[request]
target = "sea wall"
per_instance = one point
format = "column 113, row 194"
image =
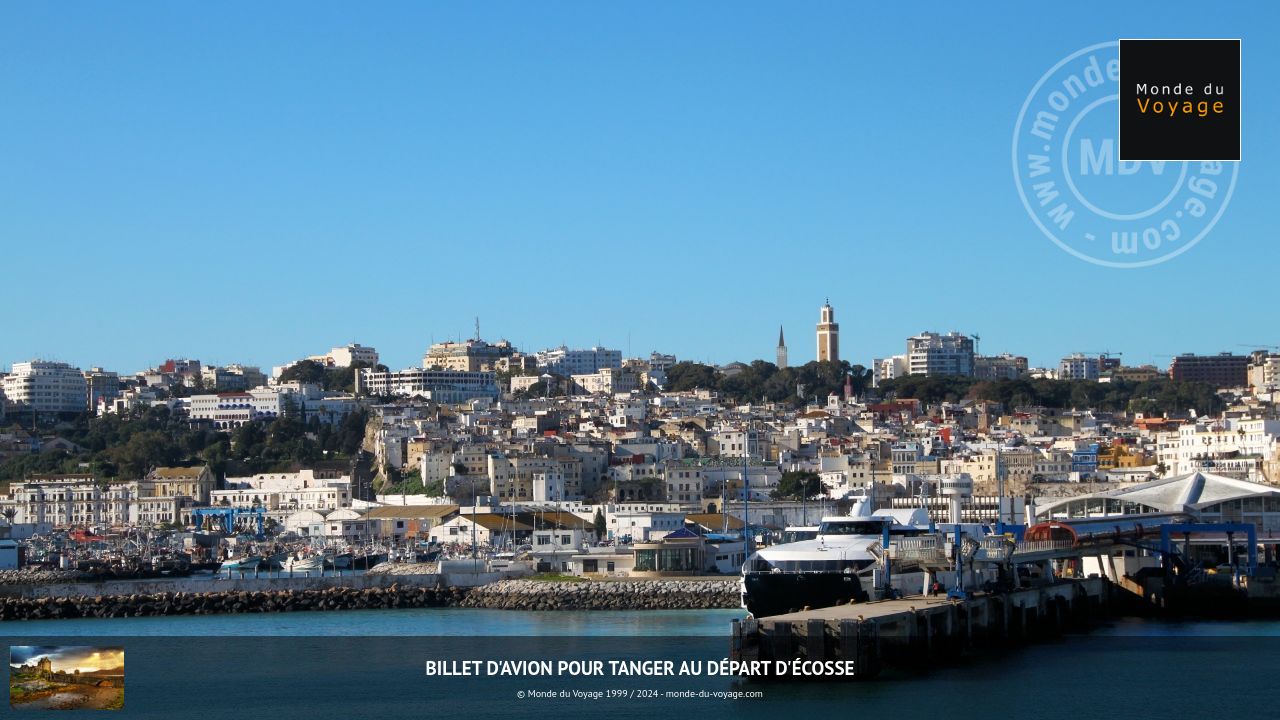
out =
column 682, row 594
column 210, row 603
column 206, row 584
column 369, row 592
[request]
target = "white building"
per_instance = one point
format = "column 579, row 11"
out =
column 548, row 486
column 1077, row 366
column 932, row 354
column 605, row 381
column 230, row 410
column 889, row 368
column 564, row 361
column 468, row 356
column 101, row 386
column 637, row 524
column 348, row 355
column 232, row 377
column 1264, row 372
column 45, row 386
column 444, row 386
column 1227, row 446
column 302, row 490
column 82, row 500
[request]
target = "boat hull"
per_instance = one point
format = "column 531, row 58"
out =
column 775, row 593
column 246, row 565
column 297, row 565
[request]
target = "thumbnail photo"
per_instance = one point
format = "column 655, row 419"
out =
column 66, row 677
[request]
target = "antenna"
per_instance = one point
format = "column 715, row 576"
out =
column 477, row 327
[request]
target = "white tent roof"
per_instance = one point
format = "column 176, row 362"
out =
column 1177, row 494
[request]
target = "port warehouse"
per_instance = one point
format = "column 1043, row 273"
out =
column 1190, row 545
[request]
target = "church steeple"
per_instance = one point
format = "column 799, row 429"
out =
column 782, row 350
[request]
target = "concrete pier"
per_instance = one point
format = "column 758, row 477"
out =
column 917, row 631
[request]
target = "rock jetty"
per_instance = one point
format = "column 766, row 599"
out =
column 210, row 603
column 36, row 576
column 691, row 594
column 694, row 593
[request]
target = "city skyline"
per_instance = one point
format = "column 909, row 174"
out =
column 1241, row 349
column 191, row 178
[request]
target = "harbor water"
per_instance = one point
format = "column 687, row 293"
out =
column 322, row 665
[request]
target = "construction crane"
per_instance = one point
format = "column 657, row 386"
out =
column 1259, row 346
column 1100, row 353
column 977, row 340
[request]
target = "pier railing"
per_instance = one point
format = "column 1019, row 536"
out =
column 1028, row 547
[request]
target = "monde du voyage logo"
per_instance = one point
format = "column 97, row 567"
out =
column 1123, row 184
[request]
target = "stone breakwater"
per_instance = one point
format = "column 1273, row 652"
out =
column 32, row 576
column 692, row 594
column 212, row 603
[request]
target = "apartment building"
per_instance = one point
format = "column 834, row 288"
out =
column 46, row 386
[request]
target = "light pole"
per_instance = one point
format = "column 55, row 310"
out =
column 475, row 560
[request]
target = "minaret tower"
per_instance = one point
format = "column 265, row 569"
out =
column 782, row 350
column 828, row 335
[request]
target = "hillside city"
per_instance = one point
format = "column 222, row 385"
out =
column 487, row 444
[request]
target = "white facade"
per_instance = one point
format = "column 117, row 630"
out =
column 287, row 491
column 1078, row 367
column 889, row 368
column 72, row 500
column 932, row 354
column 445, row 386
column 45, row 386
column 349, row 355
column 1237, row 446
column 232, row 409
column 564, row 361
column 606, row 381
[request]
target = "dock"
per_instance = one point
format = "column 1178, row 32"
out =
column 916, row 631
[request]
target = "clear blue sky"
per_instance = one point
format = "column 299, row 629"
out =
column 253, row 182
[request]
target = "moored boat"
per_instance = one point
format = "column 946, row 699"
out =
column 302, row 563
column 246, row 564
column 828, row 569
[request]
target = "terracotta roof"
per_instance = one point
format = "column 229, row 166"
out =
column 713, row 521
column 170, row 473
column 494, row 521
column 411, row 511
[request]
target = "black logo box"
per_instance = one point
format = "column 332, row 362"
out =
column 1185, row 67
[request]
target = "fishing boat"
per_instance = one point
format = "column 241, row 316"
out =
column 302, row 563
column 340, row 561
column 366, row 560
column 246, row 564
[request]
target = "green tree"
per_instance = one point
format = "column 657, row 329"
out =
column 799, row 485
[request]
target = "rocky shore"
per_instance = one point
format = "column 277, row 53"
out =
column 691, row 594
column 506, row 595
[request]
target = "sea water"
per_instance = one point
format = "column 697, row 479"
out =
column 375, row 663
